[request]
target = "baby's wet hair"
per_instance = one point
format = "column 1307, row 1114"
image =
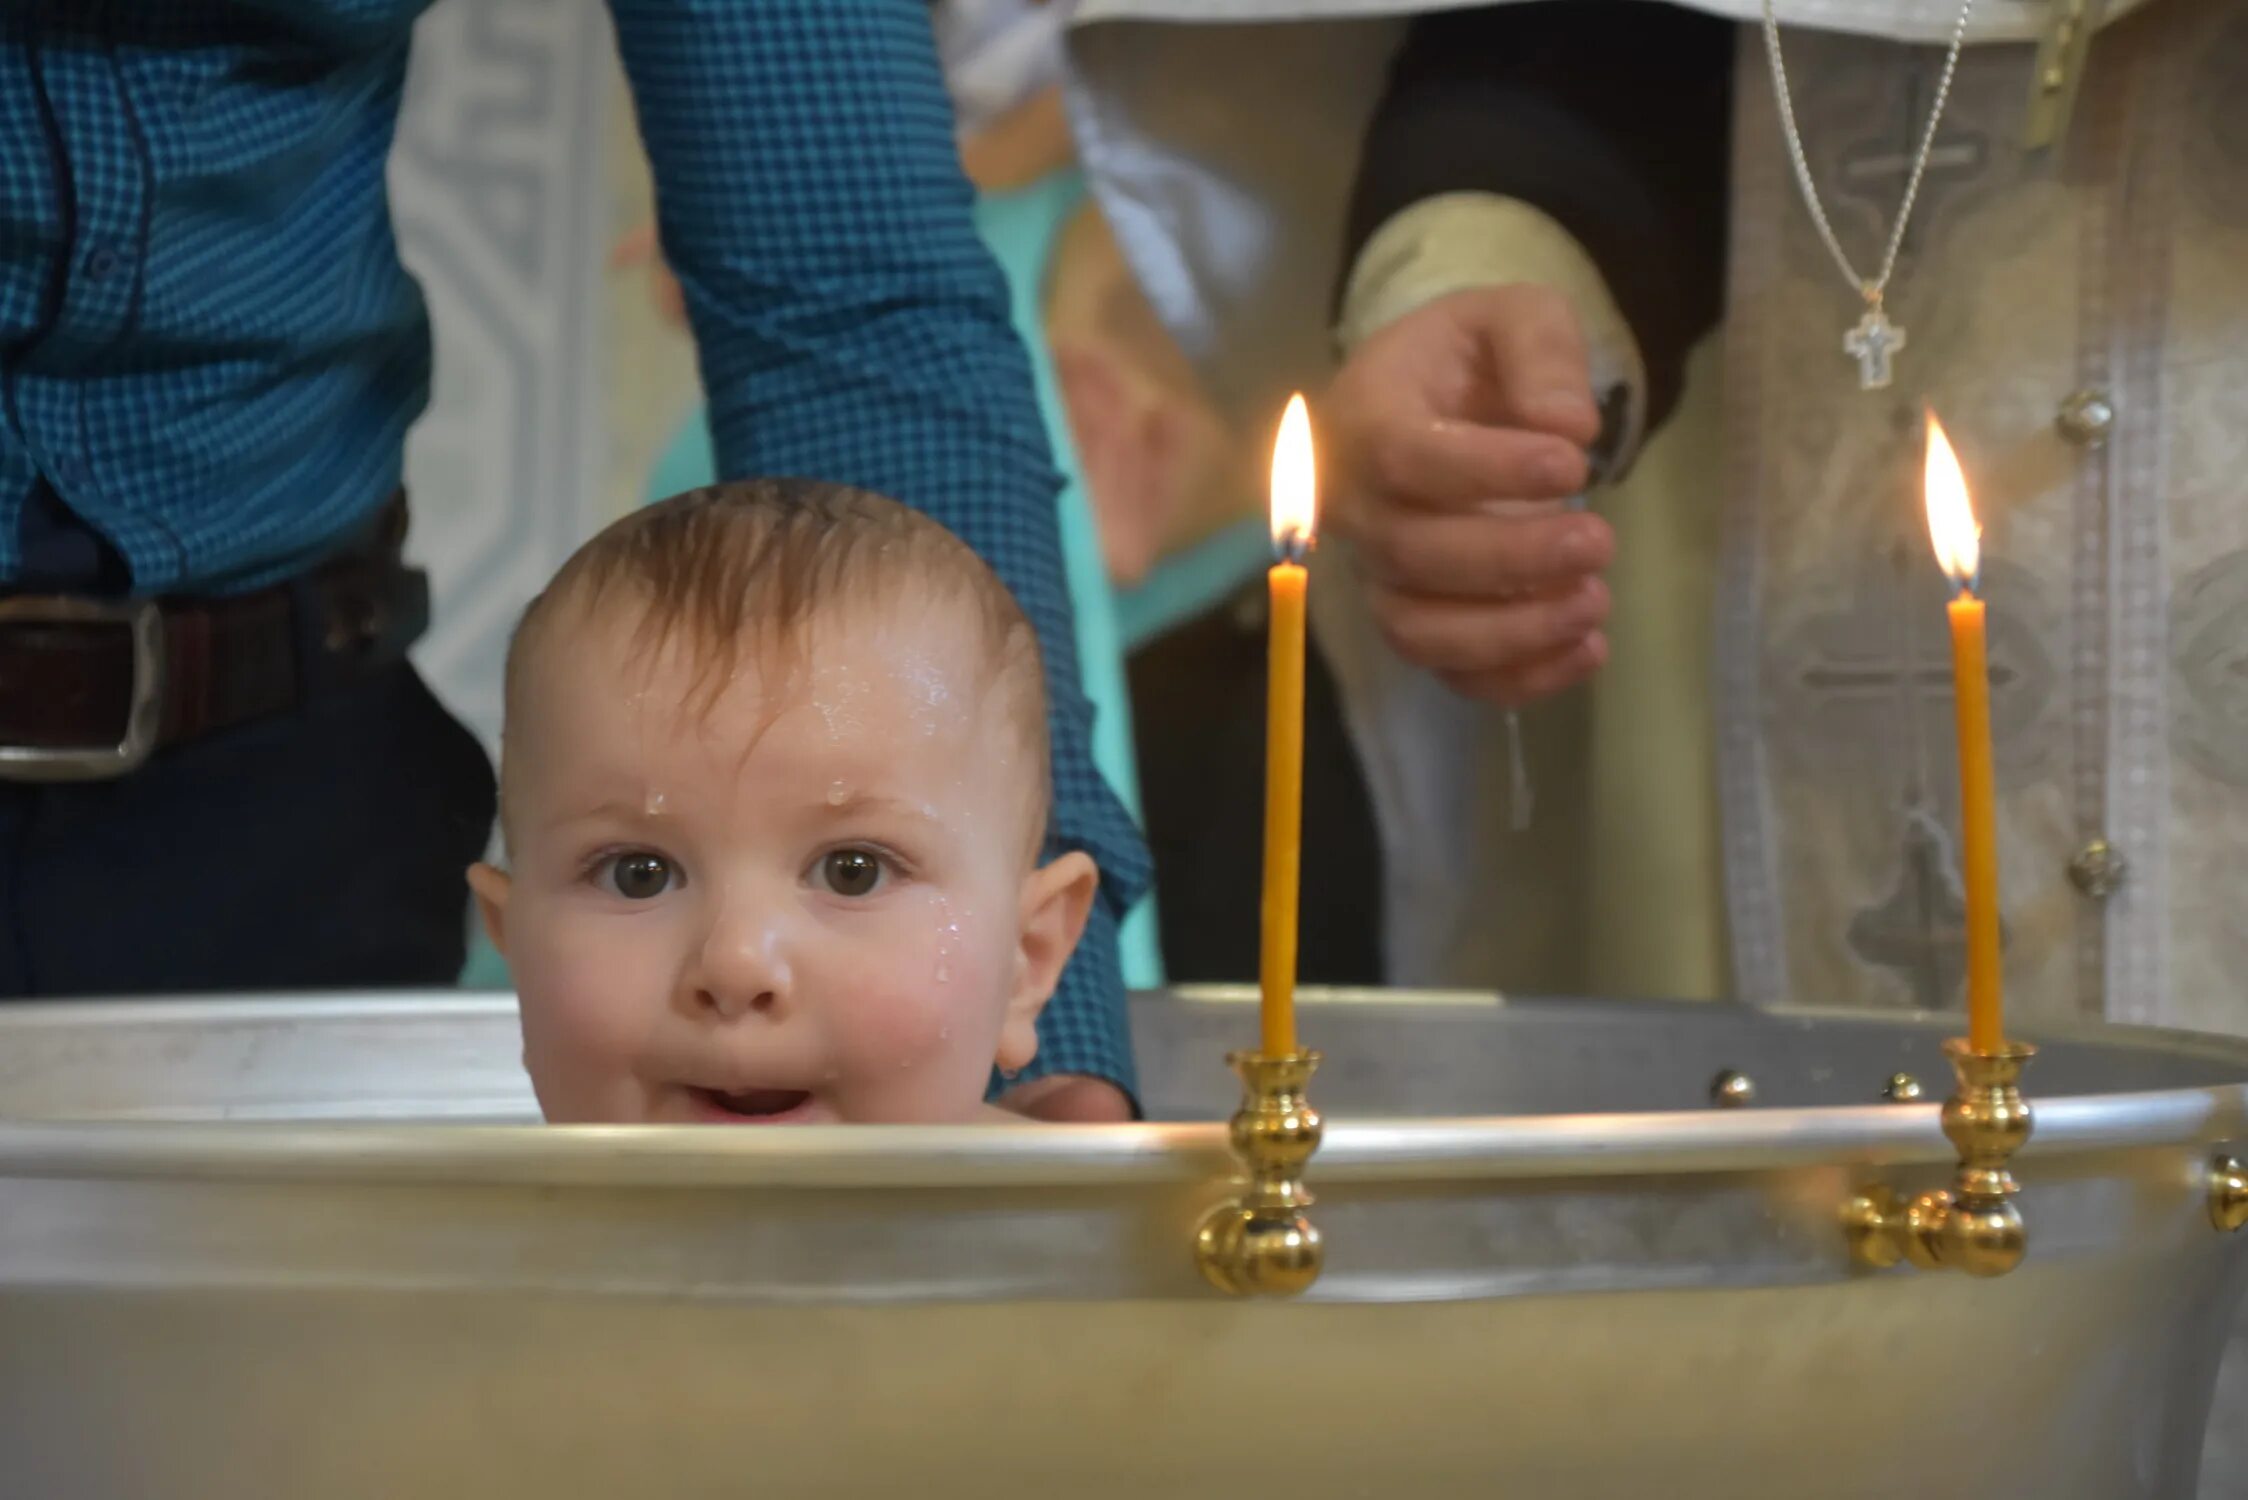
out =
column 753, row 566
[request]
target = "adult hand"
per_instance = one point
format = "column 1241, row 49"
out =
column 1458, row 432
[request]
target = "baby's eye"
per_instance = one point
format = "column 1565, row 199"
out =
column 637, row 876
column 851, row 872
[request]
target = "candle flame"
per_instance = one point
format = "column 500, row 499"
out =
column 1295, row 486
column 1951, row 516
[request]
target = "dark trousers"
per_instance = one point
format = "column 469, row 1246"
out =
column 321, row 849
column 1198, row 713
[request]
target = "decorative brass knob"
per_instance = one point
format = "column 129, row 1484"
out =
column 2097, row 869
column 1974, row 1225
column 1902, row 1088
column 2086, row 417
column 2228, row 1195
column 1261, row 1244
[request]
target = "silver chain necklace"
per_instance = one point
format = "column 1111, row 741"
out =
column 1875, row 341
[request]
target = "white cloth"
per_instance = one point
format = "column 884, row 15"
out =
column 997, row 53
column 1898, row 20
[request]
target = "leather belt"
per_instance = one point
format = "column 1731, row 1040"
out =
column 91, row 687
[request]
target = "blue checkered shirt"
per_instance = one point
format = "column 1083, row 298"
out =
column 210, row 353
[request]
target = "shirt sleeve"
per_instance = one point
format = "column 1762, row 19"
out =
column 853, row 327
column 1611, row 118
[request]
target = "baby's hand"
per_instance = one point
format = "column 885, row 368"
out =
column 1066, row 1099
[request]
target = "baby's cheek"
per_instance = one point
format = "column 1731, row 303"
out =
column 926, row 990
column 896, row 1022
column 585, row 992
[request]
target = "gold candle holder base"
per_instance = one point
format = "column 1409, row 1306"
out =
column 2228, row 1194
column 1974, row 1225
column 1262, row 1245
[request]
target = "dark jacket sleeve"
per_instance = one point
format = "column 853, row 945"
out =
column 1612, row 116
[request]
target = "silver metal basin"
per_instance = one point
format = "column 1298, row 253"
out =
column 238, row 1258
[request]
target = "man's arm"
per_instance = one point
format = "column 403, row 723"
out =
column 1534, row 243
column 851, row 325
column 1594, row 133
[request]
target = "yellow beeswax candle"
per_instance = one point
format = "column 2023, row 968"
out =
column 1951, row 525
column 1294, row 503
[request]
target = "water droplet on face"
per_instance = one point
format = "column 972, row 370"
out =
column 948, row 937
column 929, row 684
column 834, row 696
column 654, row 803
column 837, row 794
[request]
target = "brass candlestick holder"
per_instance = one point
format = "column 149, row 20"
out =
column 1974, row 1225
column 2228, row 1194
column 1262, row 1245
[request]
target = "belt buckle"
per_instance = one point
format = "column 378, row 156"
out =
column 143, row 717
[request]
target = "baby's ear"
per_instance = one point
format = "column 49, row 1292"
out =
column 1057, row 898
column 491, row 885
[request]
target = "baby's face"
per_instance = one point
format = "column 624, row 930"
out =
column 814, row 902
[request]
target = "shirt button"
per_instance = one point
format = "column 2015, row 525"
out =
column 102, row 263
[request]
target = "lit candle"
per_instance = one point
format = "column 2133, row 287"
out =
column 1294, row 502
column 1951, row 524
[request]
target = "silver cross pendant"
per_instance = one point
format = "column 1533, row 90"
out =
column 1874, row 344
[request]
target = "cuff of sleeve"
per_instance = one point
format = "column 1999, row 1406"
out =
column 1453, row 241
column 1086, row 1027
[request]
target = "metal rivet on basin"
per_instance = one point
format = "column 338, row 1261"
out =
column 1731, row 1089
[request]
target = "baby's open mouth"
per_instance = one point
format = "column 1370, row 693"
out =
column 767, row 1106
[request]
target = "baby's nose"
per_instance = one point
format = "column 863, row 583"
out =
column 744, row 972
column 731, row 1004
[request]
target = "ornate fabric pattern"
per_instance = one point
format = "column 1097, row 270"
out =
column 2116, row 574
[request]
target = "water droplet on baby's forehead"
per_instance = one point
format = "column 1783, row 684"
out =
column 926, row 684
column 654, row 804
column 837, row 794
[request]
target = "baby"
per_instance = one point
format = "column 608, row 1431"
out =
column 773, row 785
